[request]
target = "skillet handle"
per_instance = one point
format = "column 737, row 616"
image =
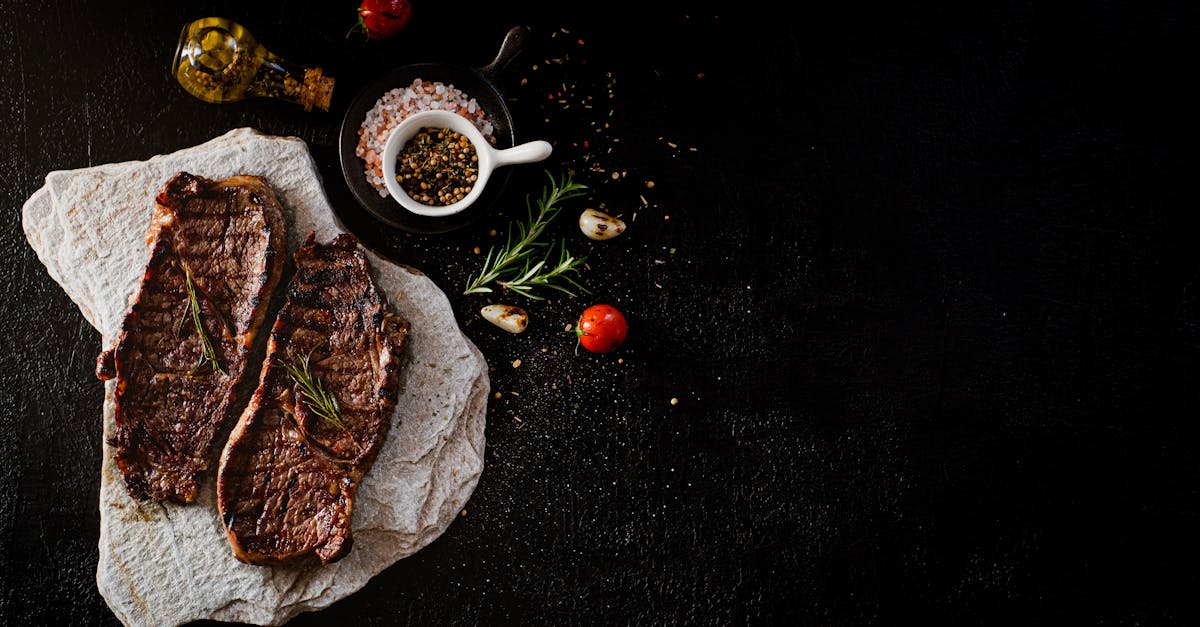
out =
column 529, row 152
column 513, row 42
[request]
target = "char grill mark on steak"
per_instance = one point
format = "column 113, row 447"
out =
column 288, row 477
column 229, row 235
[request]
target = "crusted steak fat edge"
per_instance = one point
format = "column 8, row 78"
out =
column 216, row 253
column 290, row 470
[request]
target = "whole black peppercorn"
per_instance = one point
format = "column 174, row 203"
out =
column 440, row 162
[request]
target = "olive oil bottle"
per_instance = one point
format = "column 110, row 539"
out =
column 218, row 60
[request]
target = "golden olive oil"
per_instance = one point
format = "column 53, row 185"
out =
column 218, row 60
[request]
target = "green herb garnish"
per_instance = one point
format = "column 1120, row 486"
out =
column 207, row 352
column 541, row 274
column 322, row 402
column 514, row 265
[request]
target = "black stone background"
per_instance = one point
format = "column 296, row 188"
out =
column 927, row 296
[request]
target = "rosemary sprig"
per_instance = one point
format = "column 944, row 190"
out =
column 207, row 352
column 322, row 402
column 513, row 262
column 542, row 274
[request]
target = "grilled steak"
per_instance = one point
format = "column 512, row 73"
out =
column 320, row 414
column 216, row 253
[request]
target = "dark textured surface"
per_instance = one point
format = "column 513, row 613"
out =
column 926, row 295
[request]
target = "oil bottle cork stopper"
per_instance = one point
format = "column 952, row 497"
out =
column 317, row 90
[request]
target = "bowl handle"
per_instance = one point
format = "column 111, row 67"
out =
column 528, row 152
column 512, row 44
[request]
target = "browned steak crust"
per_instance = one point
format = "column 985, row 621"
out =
column 171, row 403
column 288, row 477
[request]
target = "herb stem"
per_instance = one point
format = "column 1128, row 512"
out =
column 207, row 352
column 321, row 401
column 512, row 266
column 537, row 275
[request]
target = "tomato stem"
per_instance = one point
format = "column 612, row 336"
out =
column 579, row 333
column 359, row 26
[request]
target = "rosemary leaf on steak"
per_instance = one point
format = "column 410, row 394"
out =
column 207, row 352
column 321, row 401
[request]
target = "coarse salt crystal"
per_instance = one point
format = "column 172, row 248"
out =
column 399, row 103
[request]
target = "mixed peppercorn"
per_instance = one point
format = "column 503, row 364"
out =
column 437, row 167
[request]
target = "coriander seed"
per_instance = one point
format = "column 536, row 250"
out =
column 438, row 166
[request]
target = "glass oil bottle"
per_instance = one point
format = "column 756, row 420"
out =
column 218, row 60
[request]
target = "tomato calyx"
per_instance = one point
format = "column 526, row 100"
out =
column 359, row 27
column 579, row 334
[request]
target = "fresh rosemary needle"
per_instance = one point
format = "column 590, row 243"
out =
column 513, row 266
column 207, row 352
column 542, row 274
column 322, row 402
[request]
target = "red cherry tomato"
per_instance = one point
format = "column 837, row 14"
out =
column 601, row 328
column 383, row 19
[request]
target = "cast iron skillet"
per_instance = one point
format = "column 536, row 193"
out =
column 478, row 83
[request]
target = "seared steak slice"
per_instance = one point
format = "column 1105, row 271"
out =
column 216, row 255
column 289, row 473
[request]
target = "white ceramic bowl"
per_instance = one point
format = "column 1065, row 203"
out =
column 489, row 158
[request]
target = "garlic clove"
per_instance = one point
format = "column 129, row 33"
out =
column 600, row 225
column 508, row 317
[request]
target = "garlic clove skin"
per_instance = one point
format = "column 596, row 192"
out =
column 599, row 225
column 508, row 317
